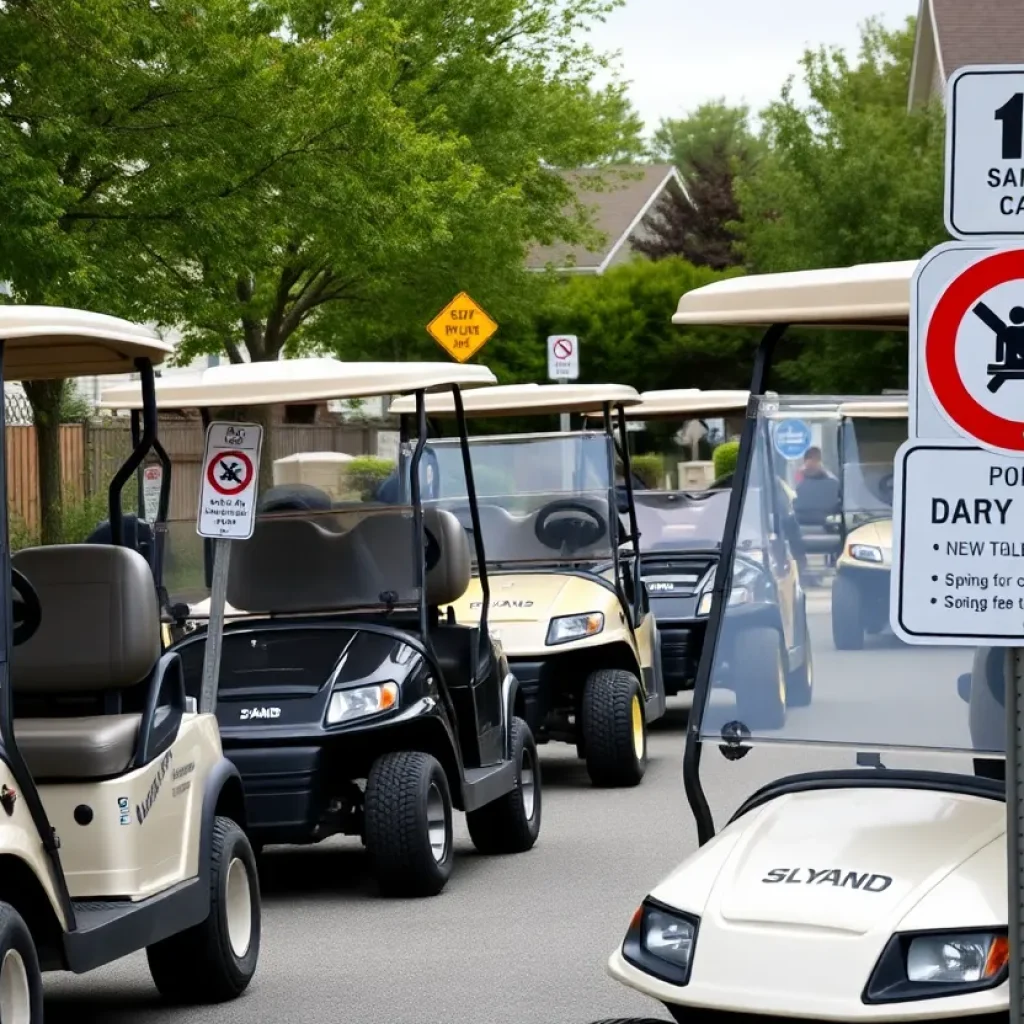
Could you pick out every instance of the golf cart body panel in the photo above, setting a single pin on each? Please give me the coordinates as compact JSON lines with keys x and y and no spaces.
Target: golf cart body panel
{"x":841,"y":895}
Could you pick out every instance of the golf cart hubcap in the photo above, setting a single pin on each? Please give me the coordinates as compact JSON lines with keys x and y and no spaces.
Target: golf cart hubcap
{"x":437,"y":823}
{"x":238,"y":904}
{"x":638,"y":729}
{"x":15,"y":997}
{"x":527,"y":782}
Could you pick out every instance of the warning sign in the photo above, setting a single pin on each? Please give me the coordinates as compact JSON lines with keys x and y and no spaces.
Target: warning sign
{"x":231,"y":464}
{"x":462,"y":328}
{"x":152,"y":480}
{"x":563,"y":357}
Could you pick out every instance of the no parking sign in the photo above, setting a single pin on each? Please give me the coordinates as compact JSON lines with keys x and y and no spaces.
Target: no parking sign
{"x":231,"y":468}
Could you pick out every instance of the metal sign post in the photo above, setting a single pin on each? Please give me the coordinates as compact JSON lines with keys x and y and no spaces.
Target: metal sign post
{"x":958,"y":574}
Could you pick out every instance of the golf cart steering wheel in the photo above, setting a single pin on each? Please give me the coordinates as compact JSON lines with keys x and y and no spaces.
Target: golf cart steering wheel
{"x":26,"y":611}
{"x":569,"y":524}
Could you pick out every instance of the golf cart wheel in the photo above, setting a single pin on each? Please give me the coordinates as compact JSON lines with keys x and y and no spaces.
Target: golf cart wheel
{"x":760,"y":685}
{"x":614,"y":728}
{"x":511,"y":823}
{"x":408,"y":823}
{"x":215,"y":961}
{"x":800,"y":684}
{"x":847,"y":615}
{"x":21,"y":982}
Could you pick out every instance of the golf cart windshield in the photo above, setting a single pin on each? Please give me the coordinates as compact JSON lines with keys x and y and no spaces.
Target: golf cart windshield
{"x":681,"y":520}
{"x":869,"y":446}
{"x":544,"y":498}
{"x":887,"y":695}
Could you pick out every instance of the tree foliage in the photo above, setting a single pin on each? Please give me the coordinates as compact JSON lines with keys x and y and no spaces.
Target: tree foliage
{"x":850,"y":178}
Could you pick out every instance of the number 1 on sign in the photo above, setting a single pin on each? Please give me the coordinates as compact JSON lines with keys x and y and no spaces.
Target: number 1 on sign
{"x":1011,"y":114}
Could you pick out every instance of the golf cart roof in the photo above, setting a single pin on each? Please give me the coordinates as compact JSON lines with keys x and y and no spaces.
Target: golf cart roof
{"x":524,"y":399}
{"x":51,"y":342}
{"x":295,"y":381}
{"x":687,"y":402}
{"x":880,"y":409}
{"x":869,"y":296}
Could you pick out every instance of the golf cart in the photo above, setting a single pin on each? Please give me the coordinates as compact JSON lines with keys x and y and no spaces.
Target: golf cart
{"x":121,"y":816}
{"x":348,"y":701}
{"x":568,"y":602}
{"x":871,"y":433}
{"x":680,"y":539}
{"x":846,"y":894}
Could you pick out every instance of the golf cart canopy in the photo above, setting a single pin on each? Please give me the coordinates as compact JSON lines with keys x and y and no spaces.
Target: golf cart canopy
{"x":527,"y":399}
{"x":687,"y":403}
{"x":50,"y":342}
{"x":294,"y":381}
{"x":869,"y":296}
{"x":876,"y":409}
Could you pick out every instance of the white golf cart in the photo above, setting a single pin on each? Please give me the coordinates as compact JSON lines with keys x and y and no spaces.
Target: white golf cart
{"x":846,"y":894}
{"x":568,"y":601}
{"x":350,"y":703}
{"x":121,"y":818}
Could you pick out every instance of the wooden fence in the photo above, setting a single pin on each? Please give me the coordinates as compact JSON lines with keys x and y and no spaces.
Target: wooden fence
{"x":91,"y":453}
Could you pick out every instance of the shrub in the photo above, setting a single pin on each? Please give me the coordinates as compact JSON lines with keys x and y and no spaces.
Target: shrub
{"x":725,"y":457}
{"x":650,"y":469}
{"x":367,"y":473}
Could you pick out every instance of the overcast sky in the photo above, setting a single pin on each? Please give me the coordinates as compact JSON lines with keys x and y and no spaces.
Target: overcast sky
{"x":678,"y":53}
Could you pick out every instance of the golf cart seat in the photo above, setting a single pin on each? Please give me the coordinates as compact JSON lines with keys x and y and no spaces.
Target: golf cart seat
{"x":78,"y":680}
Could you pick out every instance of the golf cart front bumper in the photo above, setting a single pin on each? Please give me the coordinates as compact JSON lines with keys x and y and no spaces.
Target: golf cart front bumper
{"x":872,"y":581}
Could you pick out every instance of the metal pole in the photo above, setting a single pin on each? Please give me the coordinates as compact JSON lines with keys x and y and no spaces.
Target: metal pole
{"x":215,"y":627}
{"x":565,"y":415}
{"x":1015,"y":825}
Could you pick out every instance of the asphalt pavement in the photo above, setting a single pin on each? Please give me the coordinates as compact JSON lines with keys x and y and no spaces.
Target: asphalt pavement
{"x":514,"y":940}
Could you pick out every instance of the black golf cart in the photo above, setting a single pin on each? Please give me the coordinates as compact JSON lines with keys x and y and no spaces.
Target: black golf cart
{"x":348,"y":702}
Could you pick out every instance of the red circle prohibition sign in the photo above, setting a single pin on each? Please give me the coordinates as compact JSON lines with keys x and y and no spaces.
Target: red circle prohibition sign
{"x":233,"y":484}
{"x":563,"y":348}
{"x":962,"y":408}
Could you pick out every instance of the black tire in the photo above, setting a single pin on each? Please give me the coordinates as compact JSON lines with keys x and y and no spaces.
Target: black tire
{"x":404,"y":791}
{"x":847,"y":615}
{"x":800,"y":682}
{"x":207,"y":963}
{"x":760,"y":678}
{"x":26,"y":992}
{"x":511,"y":823}
{"x":611,"y":700}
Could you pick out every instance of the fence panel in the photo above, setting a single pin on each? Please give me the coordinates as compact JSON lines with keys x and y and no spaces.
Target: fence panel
{"x":23,"y":477}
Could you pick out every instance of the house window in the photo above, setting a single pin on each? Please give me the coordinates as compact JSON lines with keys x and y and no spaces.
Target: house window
{"x":300,"y":414}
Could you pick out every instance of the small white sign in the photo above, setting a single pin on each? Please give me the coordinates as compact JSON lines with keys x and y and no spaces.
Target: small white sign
{"x":563,"y":357}
{"x":231,"y":471}
{"x":985,"y":152}
{"x":152,"y":480}
{"x":958,"y":572}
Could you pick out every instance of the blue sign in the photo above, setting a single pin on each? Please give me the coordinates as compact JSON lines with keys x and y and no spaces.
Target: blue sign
{"x":792,"y":438}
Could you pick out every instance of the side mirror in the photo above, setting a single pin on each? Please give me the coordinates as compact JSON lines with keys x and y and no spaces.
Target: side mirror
{"x":963,"y":687}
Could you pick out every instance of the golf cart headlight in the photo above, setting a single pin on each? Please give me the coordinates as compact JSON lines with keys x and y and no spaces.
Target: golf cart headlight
{"x":347,"y":705}
{"x":660,"y":942}
{"x":738,"y":595}
{"x":956,"y":959}
{"x":574,"y":627}
{"x":866,"y":553}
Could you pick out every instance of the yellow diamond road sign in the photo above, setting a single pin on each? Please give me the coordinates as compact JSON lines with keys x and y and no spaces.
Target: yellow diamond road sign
{"x":462,"y":328}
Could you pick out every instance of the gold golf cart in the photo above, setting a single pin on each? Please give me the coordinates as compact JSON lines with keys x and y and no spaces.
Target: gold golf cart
{"x":121,"y":818}
{"x":565,"y":597}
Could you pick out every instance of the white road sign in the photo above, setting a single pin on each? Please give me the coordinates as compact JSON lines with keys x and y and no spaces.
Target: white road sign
{"x":231,"y":470}
{"x":958,"y":575}
{"x":563,"y":357}
{"x":152,"y":479}
{"x":985,"y":152}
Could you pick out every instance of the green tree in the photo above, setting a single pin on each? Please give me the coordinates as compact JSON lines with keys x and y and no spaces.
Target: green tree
{"x":850,"y":178}
{"x":711,"y":127}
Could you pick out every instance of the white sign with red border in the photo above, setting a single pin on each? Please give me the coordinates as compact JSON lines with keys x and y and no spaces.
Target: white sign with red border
{"x":231,"y":470}
{"x":152,"y":481}
{"x":563,"y":357}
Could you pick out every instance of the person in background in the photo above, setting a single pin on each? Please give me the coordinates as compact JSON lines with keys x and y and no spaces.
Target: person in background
{"x":817,"y":490}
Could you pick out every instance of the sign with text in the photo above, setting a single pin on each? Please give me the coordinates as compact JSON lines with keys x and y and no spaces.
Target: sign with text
{"x":563,"y":357}
{"x":958,"y":575}
{"x":985,"y":152}
{"x":462,"y":328}
{"x":152,"y":481}
{"x":231,"y":470}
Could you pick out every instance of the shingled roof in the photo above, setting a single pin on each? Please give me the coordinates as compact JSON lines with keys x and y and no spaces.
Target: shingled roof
{"x":619,"y":206}
{"x":954,"y":33}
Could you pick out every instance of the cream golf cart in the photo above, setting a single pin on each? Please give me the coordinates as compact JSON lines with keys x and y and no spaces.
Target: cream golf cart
{"x":121,"y":817}
{"x":346,"y":698}
{"x":568,"y":603}
{"x":844,"y":894}
{"x":871,"y":433}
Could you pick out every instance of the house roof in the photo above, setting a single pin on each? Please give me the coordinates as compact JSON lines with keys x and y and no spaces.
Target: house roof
{"x":954,"y":33}
{"x":619,"y":198}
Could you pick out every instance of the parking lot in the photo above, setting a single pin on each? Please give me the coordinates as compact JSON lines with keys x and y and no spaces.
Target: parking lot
{"x":512,"y":940}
